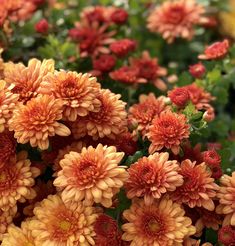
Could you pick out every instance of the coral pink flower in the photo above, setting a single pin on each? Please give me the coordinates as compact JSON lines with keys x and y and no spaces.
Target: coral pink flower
{"x":152,"y":176}
{"x":179,"y":96}
{"x":176,"y":18}
{"x":198,"y":188}
{"x":78,"y":91}
{"x":93,"y":175}
{"x":215,"y":51}
{"x":42,"y":26}
{"x":162,"y":223}
{"x":122,"y":47}
{"x":104,"y":63}
{"x":197,"y":70}
{"x":38,"y":120}
{"x":168,"y":130}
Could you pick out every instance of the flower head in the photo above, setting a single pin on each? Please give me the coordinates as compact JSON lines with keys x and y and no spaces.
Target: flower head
{"x":78,"y":92}
{"x":42,"y":26}
{"x":6,"y":218}
{"x":109,"y":121}
{"x":122,"y":47}
{"x":104,"y":63}
{"x":226,"y":235}
{"x":168,"y":130}
{"x":162,"y":223}
{"x":93,"y":175}
{"x":119,"y":16}
{"x":57,"y":223}
{"x":215,"y":51}
{"x":198,"y":188}
{"x":37,"y":120}
{"x":179,"y":96}
{"x":175,"y":19}
{"x":197,"y":70}
{"x":152,"y":176}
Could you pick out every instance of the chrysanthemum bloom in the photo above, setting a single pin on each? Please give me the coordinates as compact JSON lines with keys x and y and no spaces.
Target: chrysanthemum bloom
{"x":179,"y":96}
{"x":92,"y":38}
{"x":7,"y":147}
{"x":162,"y":223}
{"x":42,"y":26}
{"x":198,"y":188}
{"x":8,"y":102}
{"x":78,"y":92}
{"x":226,"y":195}
{"x":142,"y":113}
{"x":226,"y":235}
{"x":122,"y":47}
{"x":197,"y":70}
{"x":215,"y":51}
{"x":168,"y":130}
{"x":6,"y":218}
{"x":104,"y":63}
{"x":209,"y":114}
{"x":194,"y":242}
{"x":60,"y":224}
{"x":19,"y":236}
{"x":175,"y":19}
{"x":26,"y":80}
{"x":93,"y":175}
{"x":37,"y":120}
{"x":109,"y":122}
{"x":16,"y":181}
{"x":119,"y":16}
{"x":152,"y":176}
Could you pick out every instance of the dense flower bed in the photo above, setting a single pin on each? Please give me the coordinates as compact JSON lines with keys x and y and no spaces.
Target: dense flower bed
{"x":117,"y":123}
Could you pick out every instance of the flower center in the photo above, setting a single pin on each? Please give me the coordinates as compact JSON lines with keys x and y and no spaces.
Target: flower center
{"x":153,"y":226}
{"x":65,"y":225}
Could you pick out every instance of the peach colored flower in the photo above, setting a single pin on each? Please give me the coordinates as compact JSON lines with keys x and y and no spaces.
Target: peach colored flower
{"x":162,"y":224}
{"x":176,"y":18}
{"x":109,"y":121}
{"x":8,"y":102}
{"x":150,"y":177}
{"x":61,"y":224}
{"x":78,"y":91}
{"x":93,"y":175}
{"x":198,"y":188}
{"x":16,"y":181}
{"x":168,"y":130}
{"x":226,"y":195}
{"x":26,"y":80}
{"x":142,"y":113}
{"x":38,"y":120}
{"x":19,"y":236}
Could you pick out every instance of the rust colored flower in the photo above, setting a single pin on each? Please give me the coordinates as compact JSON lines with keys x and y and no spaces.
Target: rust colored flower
{"x":26,"y":80}
{"x":175,"y":19}
{"x":8,"y":103}
{"x":150,"y":177}
{"x":168,"y":130}
{"x":16,"y":181}
{"x":42,"y":26}
{"x":197,"y":70}
{"x":226,"y":235}
{"x":6,"y":218}
{"x":198,"y":188}
{"x":226,"y":195}
{"x":142,"y":113}
{"x":109,"y":121}
{"x":122,"y":47}
{"x":104,"y":63}
{"x":215,"y":51}
{"x":119,"y":16}
{"x":93,"y":175}
{"x":60,"y":224}
{"x":162,"y":223}
{"x":37,"y":120}
{"x":98,"y":14}
{"x":179,"y":96}
{"x":20,"y":236}
{"x":7,"y":147}
{"x":78,"y":92}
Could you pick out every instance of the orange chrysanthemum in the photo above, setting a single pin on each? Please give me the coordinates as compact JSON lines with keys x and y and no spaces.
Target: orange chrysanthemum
{"x":16,"y":181}
{"x":226,"y":195}
{"x":19,"y":236}
{"x":109,"y":121}
{"x":198,"y":188}
{"x":60,"y":224}
{"x":176,"y":18}
{"x":142,"y":113}
{"x":152,"y":176}
{"x":93,"y":175}
{"x":168,"y":130}
{"x":26,"y":80}
{"x":162,"y":224}
{"x":78,"y":91}
{"x":38,"y":120}
{"x":8,"y":102}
